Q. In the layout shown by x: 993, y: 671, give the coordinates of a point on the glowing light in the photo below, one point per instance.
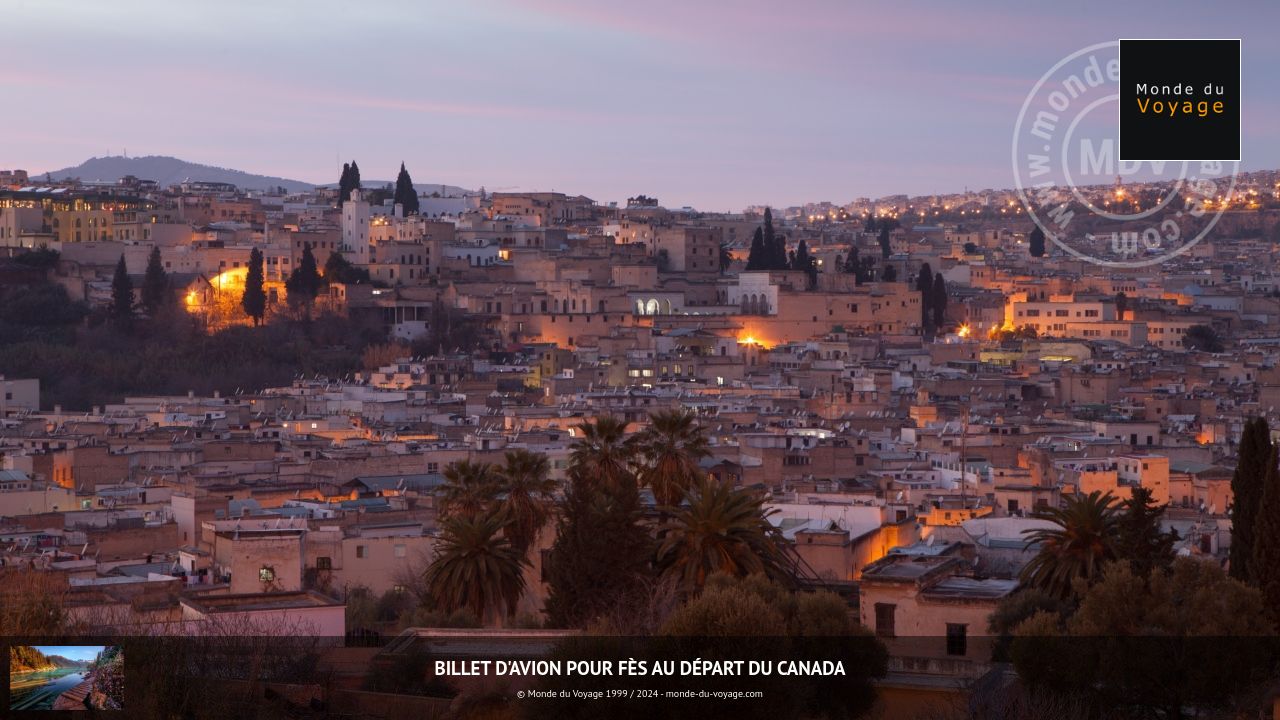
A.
x: 964, y: 331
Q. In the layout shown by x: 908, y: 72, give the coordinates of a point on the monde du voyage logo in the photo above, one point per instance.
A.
x: 1124, y: 151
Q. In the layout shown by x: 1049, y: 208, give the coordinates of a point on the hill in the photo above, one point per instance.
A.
x: 61, y: 661
x: 170, y: 171
x: 25, y: 658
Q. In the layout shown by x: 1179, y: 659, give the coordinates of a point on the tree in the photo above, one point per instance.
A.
x: 1246, y: 489
x: 802, y: 261
x: 671, y: 447
x: 526, y: 496
x: 1190, y: 637
x: 756, y: 258
x: 1035, y: 242
x: 775, y: 246
x: 41, y: 256
x: 337, y: 269
x: 469, y: 488
x: 885, y: 248
x: 726, y: 258
x: 121, y: 307
x: 344, y: 183
x: 1140, y: 540
x: 1266, y: 541
x: 1122, y: 302
x: 602, y: 455
x: 938, y: 299
x: 1203, y: 338
x: 924, y: 285
x: 924, y: 280
x: 254, y: 300
x: 349, y: 181
x: 889, y: 274
x: 304, y: 282
x: 1083, y: 541
x: 602, y: 554
x: 476, y: 567
x: 755, y: 617
x: 721, y: 529
x: 406, y: 196
x: 155, y: 284
x: 970, y: 249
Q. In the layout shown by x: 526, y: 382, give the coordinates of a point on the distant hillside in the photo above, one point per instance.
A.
x: 61, y: 661
x: 170, y: 171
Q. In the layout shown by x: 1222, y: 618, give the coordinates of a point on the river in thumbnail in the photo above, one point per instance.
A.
x: 38, y: 690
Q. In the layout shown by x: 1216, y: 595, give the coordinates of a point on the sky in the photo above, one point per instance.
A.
x: 86, y: 653
x: 708, y: 103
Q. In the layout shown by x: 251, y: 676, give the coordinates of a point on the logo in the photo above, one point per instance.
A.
x: 1085, y: 199
x: 1180, y: 99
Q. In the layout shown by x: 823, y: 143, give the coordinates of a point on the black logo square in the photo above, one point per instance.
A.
x: 1180, y: 100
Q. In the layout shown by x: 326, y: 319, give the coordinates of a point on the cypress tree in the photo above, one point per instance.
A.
x: 1246, y: 488
x: 924, y: 285
x: 355, y: 176
x: 155, y: 284
x: 885, y: 249
x: 344, y: 183
x: 1265, y: 564
x: 304, y: 282
x: 1036, y: 242
x: 254, y: 300
x: 1140, y: 541
x: 889, y: 274
x: 775, y: 248
x: 939, y: 300
x: 121, y: 307
x: 405, y: 195
x: 851, y: 262
x: 756, y: 259
x: 802, y: 258
x: 601, y: 555
x: 781, y: 258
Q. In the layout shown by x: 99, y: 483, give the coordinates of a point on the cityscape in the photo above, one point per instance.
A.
x: 365, y: 446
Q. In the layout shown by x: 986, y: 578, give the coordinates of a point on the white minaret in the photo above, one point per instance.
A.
x: 355, y: 228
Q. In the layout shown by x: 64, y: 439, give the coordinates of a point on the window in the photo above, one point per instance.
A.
x: 360, y: 551
x: 267, y: 574
x: 884, y: 619
x: 957, y: 639
x: 324, y: 563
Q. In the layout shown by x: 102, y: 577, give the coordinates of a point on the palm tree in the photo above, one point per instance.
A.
x: 602, y: 454
x: 526, y: 495
x: 720, y: 529
x: 1083, y: 541
x: 671, y: 447
x: 476, y: 566
x: 469, y: 488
